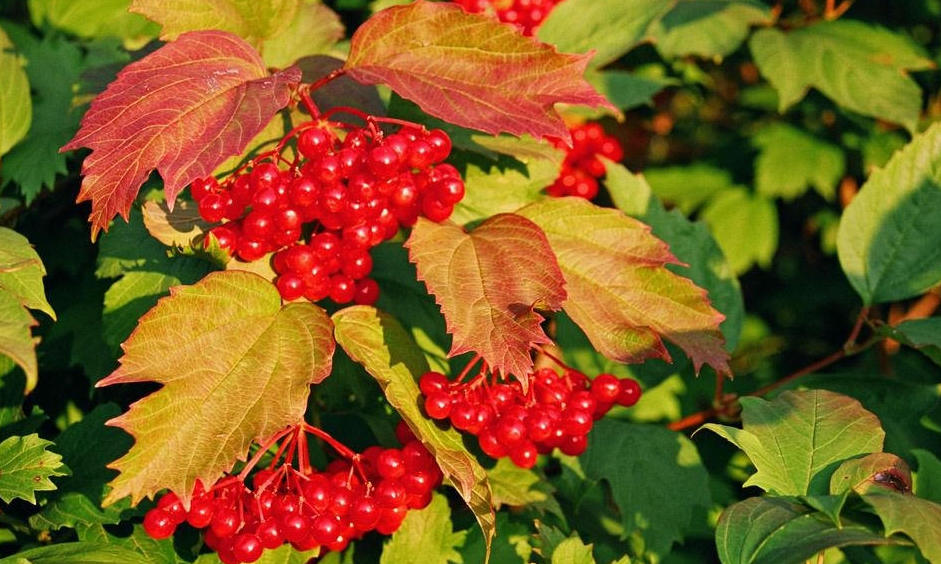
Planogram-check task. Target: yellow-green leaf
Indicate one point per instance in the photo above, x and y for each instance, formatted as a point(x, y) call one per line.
point(314, 30)
point(252, 20)
point(236, 366)
point(386, 350)
point(16, 107)
point(26, 466)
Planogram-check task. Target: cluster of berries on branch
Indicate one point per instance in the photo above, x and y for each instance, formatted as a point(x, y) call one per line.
point(355, 494)
point(345, 190)
point(557, 411)
point(526, 15)
point(582, 168)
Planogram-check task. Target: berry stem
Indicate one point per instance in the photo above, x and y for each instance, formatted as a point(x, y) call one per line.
point(555, 359)
point(262, 449)
point(324, 80)
point(468, 368)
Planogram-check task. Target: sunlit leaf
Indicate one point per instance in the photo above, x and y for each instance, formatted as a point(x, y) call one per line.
point(16, 107)
point(26, 465)
point(427, 532)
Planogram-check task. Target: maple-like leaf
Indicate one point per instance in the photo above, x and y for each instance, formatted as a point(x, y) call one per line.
point(488, 283)
point(181, 110)
point(236, 366)
point(470, 70)
point(619, 289)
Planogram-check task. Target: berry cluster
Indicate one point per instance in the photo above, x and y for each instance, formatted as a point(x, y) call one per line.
point(369, 491)
point(349, 195)
point(526, 15)
point(582, 167)
point(557, 412)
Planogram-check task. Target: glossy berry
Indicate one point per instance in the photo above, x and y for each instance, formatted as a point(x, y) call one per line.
point(159, 524)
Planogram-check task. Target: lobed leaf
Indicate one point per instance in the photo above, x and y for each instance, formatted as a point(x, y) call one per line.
point(572, 551)
point(314, 30)
point(775, 530)
point(16, 107)
point(634, 457)
point(74, 553)
point(619, 290)
point(181, 110)
point(428, 533)
point(252, 20)
point(859, 66)
point(385, 349)
point(469, 70)
point(917, 518)
point(889, 241)
point(790, 160)
point(745, 226)
point(489, 282)
point(236, 366)
point(797, 440)
point(26, 465)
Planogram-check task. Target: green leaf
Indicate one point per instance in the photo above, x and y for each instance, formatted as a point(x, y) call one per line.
point(710, 28)
point(797, 440)
point(572, 551)
point(489, 283)
point(690, 242)
point(511, 545)
point(773, 530)
point(101, 18)
point(235, 366)
point(26, 466)
point(873, 471)
point(136, 292)
point(379, 343)
point(889, 241)
point(514, 486)
point(656, 477)
point(619, 291)
point(16, 107)
point(252, 20)
point(177, 228)
point(928, 477)
point(921, 334)
point(790, 159)
point(624, 89)
point(79, 495)
point(745, 226)
point(146, 549)
point(127, 246)
point(16, 340)
point(427, 533)
point(53, 66)
point(917, 518)
point(609, 27)
point(74, 553)
point(859, 66)
point(21, 272)
point(688, 187)
point(314, 30)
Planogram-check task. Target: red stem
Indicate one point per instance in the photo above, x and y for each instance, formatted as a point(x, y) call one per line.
point(261, 452)
point(556, 360)
point(467, 368)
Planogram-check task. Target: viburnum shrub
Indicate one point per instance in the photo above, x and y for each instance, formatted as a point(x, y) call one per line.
point(395, 295)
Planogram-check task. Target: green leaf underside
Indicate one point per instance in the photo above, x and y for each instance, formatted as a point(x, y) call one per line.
point(26, 466)
point(488, 283)
point(314, 30)
point(889, 241)
point(797, 440)
point(917, 518)
point(236, 367)
point(710, 28)
point(177, 228)
point(689, 241)
point(184, 109)
point(470, 70)
point(835, 58)
point(16, 340)
point(745, 226)
point(74, 553)
point(16, 107)
point(791, 160)
point(873, 471)
point(386, 350)
point(619, 290)
point(922, 334)
point(608, 27)
point(631, 457)
point(426, 534)
point(771, 530)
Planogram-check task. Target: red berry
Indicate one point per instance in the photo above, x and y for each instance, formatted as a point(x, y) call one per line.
point(342, 289)
point(630, 392)
point(605, 388)
point(200, 513)
point(490, 444)
point(247, 547)
point(574, 445)
point(365, 514)
point(430, 382)
point(440, 144)
point(390, 464)
point(367, 292)
point(159, 524)
point(225, 522)
point(524, 455)
point(269, 534)
point(202, 187)
point(438, 405)
point(510, 431)
point(314, 142)
point(577, 421)
point(212, 208)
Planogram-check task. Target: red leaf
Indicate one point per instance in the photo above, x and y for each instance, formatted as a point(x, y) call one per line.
point(470, 70)
point(487, 283)
point(181, 110)
point(619, 289)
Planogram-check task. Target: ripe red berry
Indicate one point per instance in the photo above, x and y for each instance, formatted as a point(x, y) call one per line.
point(630, 392)
point(438, 405)
point(159, 524)
point(367, 291)
point(605, 388)
point(247, 547)
point(524, 455)
point(314, 143)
